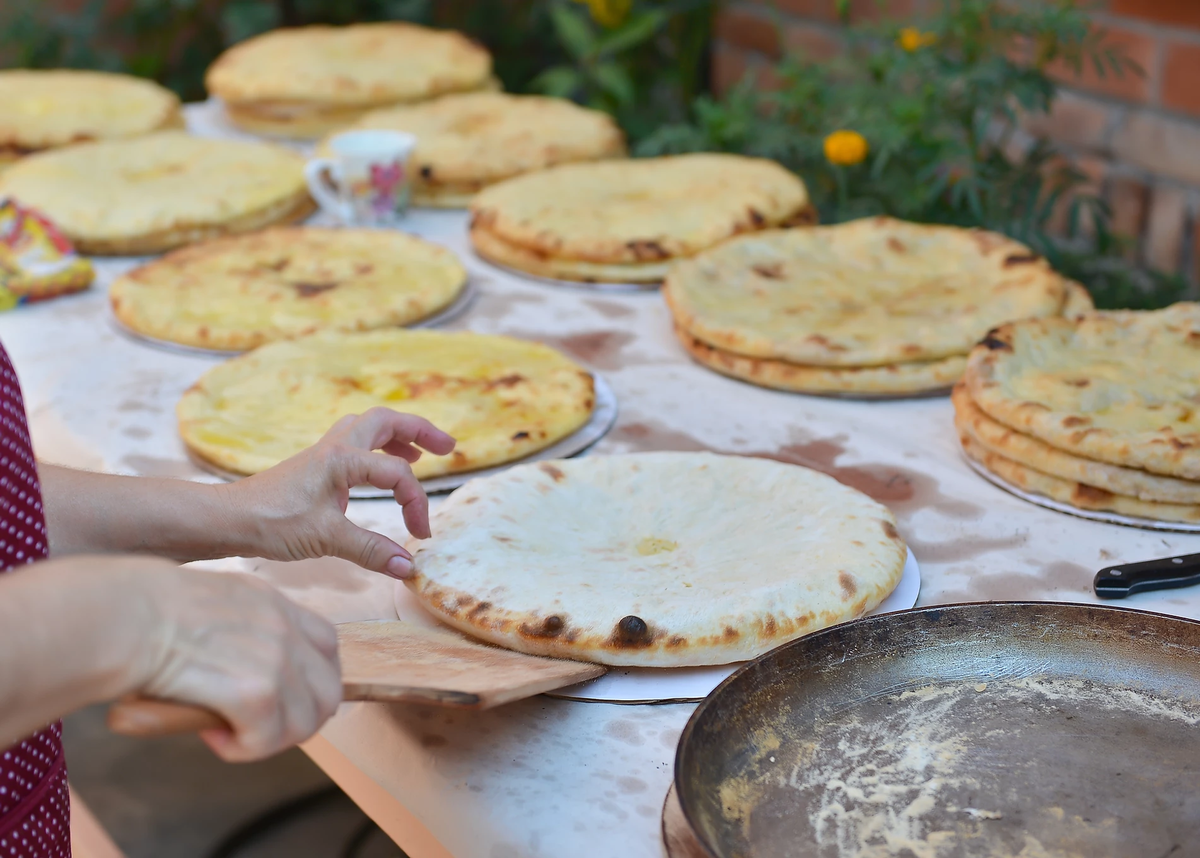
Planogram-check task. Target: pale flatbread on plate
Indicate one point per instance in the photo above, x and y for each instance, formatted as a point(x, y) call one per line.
point(237, 293)
point(643, 210)
point(523, 260)
point(897, 379)
point(500, 397)
point(310, 80)
point(863, 293)
point(43, 109)
point(1118, 387)
point(1027, 450)
point(468, 141)
point(159, 191)
point(1075, 493)
point(655, 559)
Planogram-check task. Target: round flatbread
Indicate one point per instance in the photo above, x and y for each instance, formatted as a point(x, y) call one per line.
point(160, 191)
point(466, 142)
point(308, 120)
point(237, 293)
point(897, 379)
point(655, 559)
point(313, 79)
point(502, 398)
point(1074, 493)
point(522, 259)
point(1027, 450)
point(46, 109)
point(1117, 387)
point(864, 293)
point(641, 210)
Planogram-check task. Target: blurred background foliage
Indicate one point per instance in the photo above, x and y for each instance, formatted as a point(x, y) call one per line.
point(642, 61)
point(935, 104)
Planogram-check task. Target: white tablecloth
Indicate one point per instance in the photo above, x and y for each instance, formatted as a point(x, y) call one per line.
point(548, 777)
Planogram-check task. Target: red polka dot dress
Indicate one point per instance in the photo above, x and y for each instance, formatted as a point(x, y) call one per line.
point(34, 809)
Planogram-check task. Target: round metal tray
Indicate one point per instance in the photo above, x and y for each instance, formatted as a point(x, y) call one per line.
point(998, 729)
point(456, 308)
point(1091, 515)
point(604, 415)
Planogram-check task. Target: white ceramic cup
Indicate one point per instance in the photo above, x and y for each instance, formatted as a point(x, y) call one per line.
point(369, 174)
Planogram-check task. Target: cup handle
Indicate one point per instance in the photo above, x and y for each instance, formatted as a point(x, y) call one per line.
point(318, 187)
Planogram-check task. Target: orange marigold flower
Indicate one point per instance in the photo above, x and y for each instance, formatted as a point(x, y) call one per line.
point(846, 148)
point(912, 39)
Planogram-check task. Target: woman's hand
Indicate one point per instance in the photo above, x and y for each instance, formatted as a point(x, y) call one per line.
point(297, 509)
point(91, 628)
point(234, 644)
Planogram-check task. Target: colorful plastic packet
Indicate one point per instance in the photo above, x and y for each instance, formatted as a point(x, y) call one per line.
point(36, 260)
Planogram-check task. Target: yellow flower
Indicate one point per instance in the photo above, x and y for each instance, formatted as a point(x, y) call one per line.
point(608, 13)
point(912, 39)
point(846, 148)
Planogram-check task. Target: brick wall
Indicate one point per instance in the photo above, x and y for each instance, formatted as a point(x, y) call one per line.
point(1138, 138)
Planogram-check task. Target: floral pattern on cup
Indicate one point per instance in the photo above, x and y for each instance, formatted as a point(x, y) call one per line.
point(366, 182)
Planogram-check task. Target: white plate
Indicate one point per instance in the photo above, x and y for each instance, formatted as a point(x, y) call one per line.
point(586, 286)
point(663, 684)
point(688, 684)
point(1091, 514)
point(456, 307)
point(604, 415)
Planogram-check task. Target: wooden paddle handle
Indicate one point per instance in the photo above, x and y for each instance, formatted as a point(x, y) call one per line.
point(144, 718)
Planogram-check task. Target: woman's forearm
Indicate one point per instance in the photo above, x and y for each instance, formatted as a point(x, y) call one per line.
point(67, 639)
point(104, 513)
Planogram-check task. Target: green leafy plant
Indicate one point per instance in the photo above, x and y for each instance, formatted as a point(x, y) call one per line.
point(924, 124)
point(643, 62)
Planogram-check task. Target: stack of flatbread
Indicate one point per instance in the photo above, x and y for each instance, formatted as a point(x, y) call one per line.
point(236, 293)
point(467, 142)
point(159, 191)
point(625, 221)
point(873, 307)
point(502, 398)
point(308, 81)
point(42, 110)
point(655, 559)
point(1101, 412)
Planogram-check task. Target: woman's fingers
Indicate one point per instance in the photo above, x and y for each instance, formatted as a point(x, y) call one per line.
point(395, 475)
point(271, 716)
point(407, 452)
point(371, 550)
point(378, 427)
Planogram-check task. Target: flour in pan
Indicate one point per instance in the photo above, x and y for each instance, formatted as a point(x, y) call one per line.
point(877, 806)
point(929, 772)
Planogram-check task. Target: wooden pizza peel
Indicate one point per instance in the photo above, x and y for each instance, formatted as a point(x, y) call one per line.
point(395, 662)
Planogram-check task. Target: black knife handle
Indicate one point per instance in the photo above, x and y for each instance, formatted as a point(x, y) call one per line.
point(1125, 579)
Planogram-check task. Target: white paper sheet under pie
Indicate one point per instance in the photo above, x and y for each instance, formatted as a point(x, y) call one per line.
point(665, 684)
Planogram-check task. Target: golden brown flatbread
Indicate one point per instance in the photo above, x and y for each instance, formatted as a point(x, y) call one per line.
point(1117, 387)
point(1075, 493)
point(638, 211)
point(1029, 451)
point(236, 293)
point(898, 379)
point(869, 292)
point(501, 397)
